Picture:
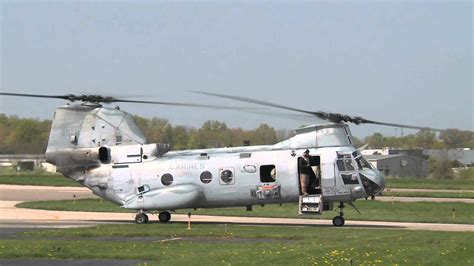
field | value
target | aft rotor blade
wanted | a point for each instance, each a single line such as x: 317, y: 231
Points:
x: 108, y: 99
x: 64, y: 97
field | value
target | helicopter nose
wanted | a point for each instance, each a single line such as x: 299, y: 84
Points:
x: 380, y: 181
x: 373, y: 181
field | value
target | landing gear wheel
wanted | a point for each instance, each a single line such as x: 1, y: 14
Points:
x: 338, y: 221
x: 164, y: 217
x: 141, y: 218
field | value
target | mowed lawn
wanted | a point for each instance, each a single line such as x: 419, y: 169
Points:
x: 205, y: 244
x: 434, y: 212
x: 430, y: 194
x: 55, y: 180
x: 455, y: 184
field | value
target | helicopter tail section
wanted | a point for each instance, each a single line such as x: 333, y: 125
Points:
x: 79, y: 131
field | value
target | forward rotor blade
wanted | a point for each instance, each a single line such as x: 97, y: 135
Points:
x: 249, y: 100
x: 400, y: 125
x: 291, y: 116
x: 333, y: 117
x: 188, y: 105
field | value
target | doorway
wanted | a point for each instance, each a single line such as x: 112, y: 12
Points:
x: 314, y: 173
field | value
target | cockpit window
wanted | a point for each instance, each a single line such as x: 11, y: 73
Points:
x: 359, y: 164
x: 365, y: 163
x: 345, y: 165
x: 345, y: 162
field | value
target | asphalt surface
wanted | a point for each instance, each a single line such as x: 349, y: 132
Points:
x: 423, y: 199
x: 13, y: 218
x: 35, y: 193
x: 428, y: 190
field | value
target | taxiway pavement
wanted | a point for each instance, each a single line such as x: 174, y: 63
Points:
x: 12, y: 217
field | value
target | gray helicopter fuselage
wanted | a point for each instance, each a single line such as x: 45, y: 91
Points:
x: 102, y: 149
x: 196, y: 181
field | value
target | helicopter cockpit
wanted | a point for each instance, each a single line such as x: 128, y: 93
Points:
x: 372, y: 180
x: 354, y: 170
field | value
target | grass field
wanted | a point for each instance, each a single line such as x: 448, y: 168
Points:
x: 172, y: 244
x: 465, y: 184
x: 430, y: 194
x: 371, y: 210
x: 38, y: 180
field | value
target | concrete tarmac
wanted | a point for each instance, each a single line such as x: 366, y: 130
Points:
x: 427, y: 190
x: 12, y: 217
x: 423, y: 199
x: 35, y: 193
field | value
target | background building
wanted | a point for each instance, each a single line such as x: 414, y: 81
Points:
x: 463, y: 156
x: 401, y: 165
x: 26, y: 162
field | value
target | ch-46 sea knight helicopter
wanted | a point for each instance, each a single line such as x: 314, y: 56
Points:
x: 103, y: 149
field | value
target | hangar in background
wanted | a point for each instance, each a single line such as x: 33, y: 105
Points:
x: 26, y: 162
x: 400, y: 165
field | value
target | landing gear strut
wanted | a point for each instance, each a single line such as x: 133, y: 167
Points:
x: 164, y: 217
x: 141, y: 218
x: 339, y: 220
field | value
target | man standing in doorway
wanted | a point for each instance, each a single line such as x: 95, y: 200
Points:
x: 304, y: 167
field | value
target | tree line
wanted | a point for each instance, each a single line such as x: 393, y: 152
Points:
x: 24, y: 135
x: 424, y: 139
x: 212, y: 134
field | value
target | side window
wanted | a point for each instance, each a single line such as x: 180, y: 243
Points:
x: 167, y: 179
x: 349, y: 179
x: 347, y: 168
x: 206, y: 177
x: 227, y: 176
x: 267, y: 173
x: 345, y: 164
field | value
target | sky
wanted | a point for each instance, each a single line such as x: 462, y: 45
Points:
x: 408, y: 62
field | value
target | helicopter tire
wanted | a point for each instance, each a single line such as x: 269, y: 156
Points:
x: 164, y: 217
x: 338, y: 221
x: 141, y: 218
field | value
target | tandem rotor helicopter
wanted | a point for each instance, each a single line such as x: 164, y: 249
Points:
x: 103, y: 149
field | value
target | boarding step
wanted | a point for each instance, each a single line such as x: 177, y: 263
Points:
x: 311, y: 204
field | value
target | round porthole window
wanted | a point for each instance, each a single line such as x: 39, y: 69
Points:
x: 227, y: 176
x: 206, y: 177
x: 167, y: 179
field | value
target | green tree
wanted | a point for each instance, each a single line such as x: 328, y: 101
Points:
x: 425, y: 138
x: 264, y: 134
x: 441, y: 168
x: 455, y: 138
x: 375, y: 141
x: 19, y: 135
x: 357, y: 142
x: 180, y: 138
x: 193, y: 139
